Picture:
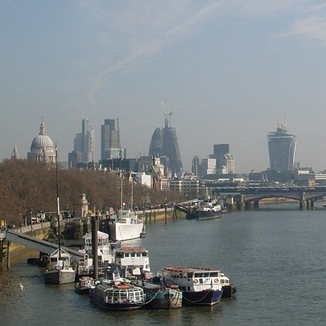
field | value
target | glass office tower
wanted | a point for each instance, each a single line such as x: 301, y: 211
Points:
x: 281, y: 147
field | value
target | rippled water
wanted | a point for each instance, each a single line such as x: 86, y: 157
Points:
x: 275, y: 257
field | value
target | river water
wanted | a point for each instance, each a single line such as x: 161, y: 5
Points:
x: 274, y: 255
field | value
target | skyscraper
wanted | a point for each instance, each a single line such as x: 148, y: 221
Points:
x: 219, y: 151
x: 110, y: 141
x: 281, y: 146
x: 164, y: 143
x: 84, y: 146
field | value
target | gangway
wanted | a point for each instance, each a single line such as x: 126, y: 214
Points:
x: 39, y: 245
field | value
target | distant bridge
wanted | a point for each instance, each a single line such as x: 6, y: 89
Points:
x: 306, y: 196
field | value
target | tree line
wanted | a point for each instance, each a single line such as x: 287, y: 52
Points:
x: 28, y: 187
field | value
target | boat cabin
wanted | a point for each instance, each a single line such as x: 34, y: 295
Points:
x: 60, y: 260
x: 193, y: 278
x: 132, y: 260
x: 119, y: 293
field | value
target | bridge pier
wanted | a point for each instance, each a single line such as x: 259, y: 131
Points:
x: 256, y: 204
x: 310, y: 204
x: 302, y: 204
x: 240, y: 204
x: 303, y: 201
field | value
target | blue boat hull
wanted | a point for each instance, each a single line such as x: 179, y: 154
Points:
x: 206, y: 297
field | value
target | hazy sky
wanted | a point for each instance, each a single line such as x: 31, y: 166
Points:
x: 230, y: 69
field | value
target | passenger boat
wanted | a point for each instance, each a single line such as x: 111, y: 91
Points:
x: 84, y: 284
x: 208, y: 210
x: 133, y: 262
x: 117, y: 296
x: 199, y: 285
x: 59, y: 269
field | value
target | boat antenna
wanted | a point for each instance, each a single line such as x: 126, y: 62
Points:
x: 58, y: 201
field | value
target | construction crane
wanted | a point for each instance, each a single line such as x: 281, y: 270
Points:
x: 167, y: 112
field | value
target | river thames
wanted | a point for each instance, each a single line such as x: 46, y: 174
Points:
x: 274, y: 255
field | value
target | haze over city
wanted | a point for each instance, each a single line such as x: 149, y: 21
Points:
x: 231, y: 70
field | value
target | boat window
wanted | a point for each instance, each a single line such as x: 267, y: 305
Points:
x: 116, y: 297
x: 144, y: 254
x: 214, y: 274
x: 133, y: 254
x: 126, y: 255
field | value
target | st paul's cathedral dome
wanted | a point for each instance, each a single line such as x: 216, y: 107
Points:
x: 42, y: 149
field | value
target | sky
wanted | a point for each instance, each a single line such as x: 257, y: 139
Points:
x: 229, y: 71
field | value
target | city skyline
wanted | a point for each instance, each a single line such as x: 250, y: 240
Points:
x: 230, y: 69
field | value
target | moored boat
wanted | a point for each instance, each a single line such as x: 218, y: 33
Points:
x: 208, y: 210
x: 133, y: 262
x: 160, y: 295
x: 117, y: 296
x: 84, y: 284
x: 59, y: 269
x: 105, y: 253
x: 199, y: 285
x: 126, y: 226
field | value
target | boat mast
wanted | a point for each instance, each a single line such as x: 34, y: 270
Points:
x: 121, y: 186
x: 58, y: 201
x: 132, y: 193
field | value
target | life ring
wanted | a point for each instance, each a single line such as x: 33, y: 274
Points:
x: 195, y: 281
x: 216, y: 280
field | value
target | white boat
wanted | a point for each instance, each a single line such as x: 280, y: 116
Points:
x: 59, y: 269
x: 126, y: 226
x: 199, y: 285
x: 208, y: 210
x: 105, y: 253
x: 133, y: 262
